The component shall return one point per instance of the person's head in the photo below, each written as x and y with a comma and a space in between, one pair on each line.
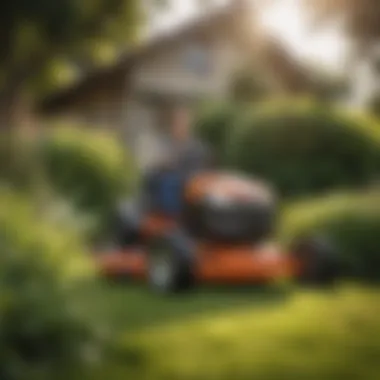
180, 128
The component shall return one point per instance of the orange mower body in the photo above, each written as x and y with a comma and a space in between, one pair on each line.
214, 265
220, 238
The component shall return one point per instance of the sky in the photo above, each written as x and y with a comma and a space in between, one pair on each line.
285, 20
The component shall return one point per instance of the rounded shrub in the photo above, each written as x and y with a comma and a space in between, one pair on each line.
306, 148
351, 221
214, 124
90, 168
17, 164
43, 331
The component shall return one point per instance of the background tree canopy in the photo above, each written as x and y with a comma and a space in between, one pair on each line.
36, 35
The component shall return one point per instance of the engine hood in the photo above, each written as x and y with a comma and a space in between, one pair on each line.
227, 187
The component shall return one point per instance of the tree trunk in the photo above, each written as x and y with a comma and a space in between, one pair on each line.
20, 167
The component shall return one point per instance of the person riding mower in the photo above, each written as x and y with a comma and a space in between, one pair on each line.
210, 227
195, 224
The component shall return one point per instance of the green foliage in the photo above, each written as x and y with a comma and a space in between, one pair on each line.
352, 221
43, 333
252, 85
84, 172
374, 106
37, 35
89, 168
68, 23
15, 159
214, 124
305, 148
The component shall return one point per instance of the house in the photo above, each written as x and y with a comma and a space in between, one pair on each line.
195, 62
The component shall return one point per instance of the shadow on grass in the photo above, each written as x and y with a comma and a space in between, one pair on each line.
243, 333
131, 306
319, 335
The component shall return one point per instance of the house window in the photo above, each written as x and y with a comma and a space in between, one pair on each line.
197, 59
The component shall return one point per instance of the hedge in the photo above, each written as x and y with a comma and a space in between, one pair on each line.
16, 159
304, 148
90, 168
42, 266
351, 221
214, 123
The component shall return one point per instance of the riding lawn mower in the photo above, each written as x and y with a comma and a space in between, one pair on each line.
220, 236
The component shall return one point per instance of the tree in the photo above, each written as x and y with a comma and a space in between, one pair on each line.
249, 86
37, 34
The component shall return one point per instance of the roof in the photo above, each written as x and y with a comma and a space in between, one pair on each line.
200, 25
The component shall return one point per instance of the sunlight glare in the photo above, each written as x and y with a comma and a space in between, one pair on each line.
286, 21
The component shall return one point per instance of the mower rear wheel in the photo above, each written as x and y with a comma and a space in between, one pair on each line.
319, 260
171, 264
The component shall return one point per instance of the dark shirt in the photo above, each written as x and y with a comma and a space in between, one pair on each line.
187, 156
164, 191
163, 185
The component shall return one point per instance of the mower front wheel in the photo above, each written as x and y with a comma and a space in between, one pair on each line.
171, 264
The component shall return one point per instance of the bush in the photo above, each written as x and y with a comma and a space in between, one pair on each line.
214, 123
352, 221
88, 167
16, 159
251, 86
305, 148
42, 266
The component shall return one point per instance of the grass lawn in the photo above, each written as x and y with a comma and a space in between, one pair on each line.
134, 307
221, 335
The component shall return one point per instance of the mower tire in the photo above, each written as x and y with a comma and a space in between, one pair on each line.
171, 263
319, 259
125, 225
